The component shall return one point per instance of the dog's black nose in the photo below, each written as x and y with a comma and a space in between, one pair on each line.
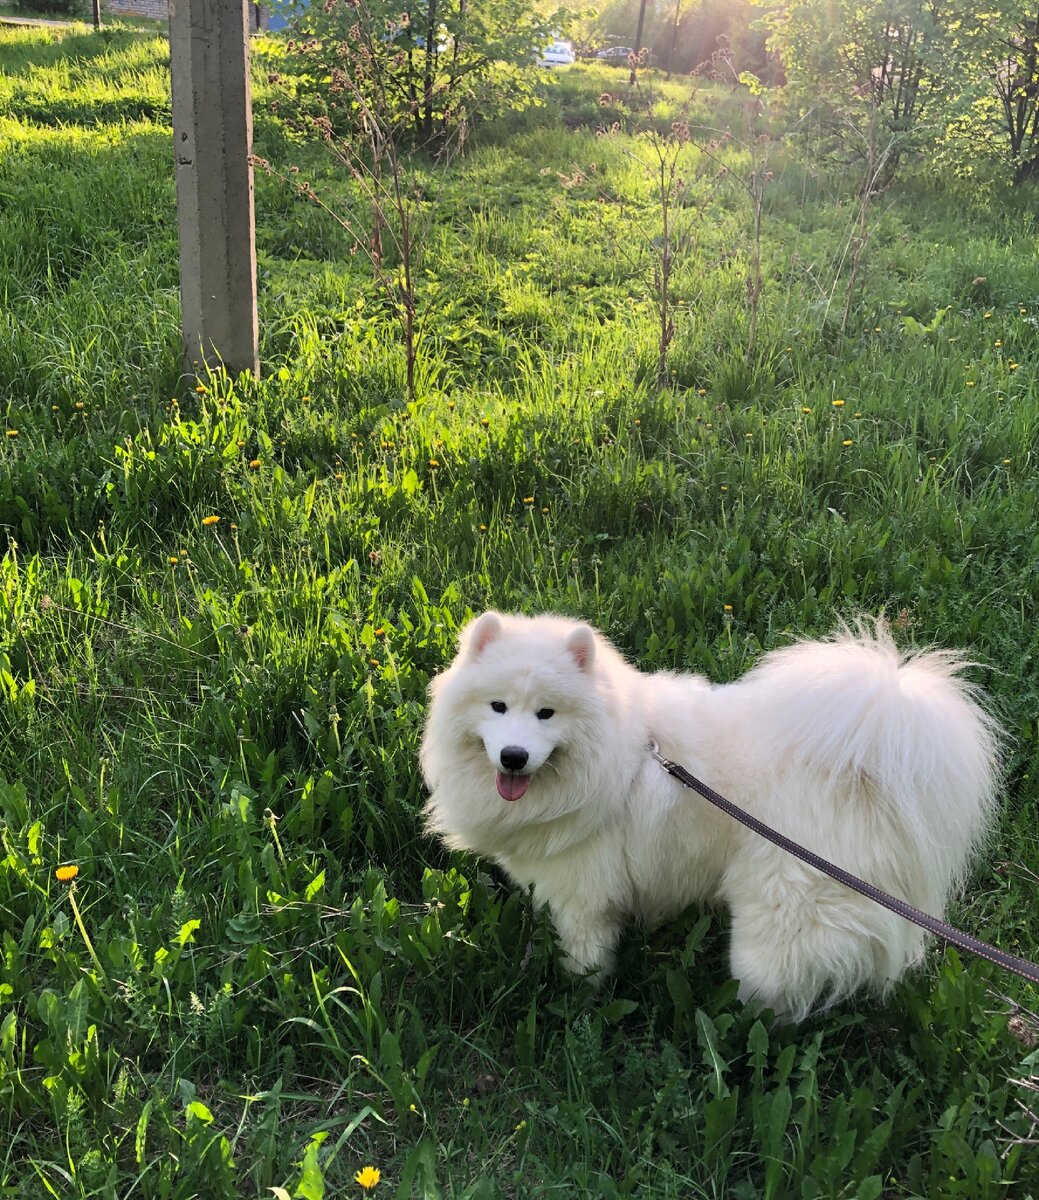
514, 758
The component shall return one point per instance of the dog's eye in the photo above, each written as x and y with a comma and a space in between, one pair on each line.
499, 706
543, 714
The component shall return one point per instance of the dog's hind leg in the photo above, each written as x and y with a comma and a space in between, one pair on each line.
800, 942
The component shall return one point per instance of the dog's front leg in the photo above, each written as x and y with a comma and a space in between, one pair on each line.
587, 889
587, 911
589, 945
588, 940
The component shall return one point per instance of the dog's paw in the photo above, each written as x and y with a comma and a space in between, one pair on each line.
592, 975
589, 953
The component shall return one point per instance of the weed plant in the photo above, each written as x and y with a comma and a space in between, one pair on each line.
220, 606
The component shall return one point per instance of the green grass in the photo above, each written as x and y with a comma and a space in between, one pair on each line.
285, 979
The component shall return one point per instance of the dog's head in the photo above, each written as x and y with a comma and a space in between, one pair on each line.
521, 701
525, 694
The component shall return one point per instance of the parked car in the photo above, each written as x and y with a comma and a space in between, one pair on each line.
557, 54
616, 56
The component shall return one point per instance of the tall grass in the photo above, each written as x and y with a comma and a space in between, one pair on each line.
218, 722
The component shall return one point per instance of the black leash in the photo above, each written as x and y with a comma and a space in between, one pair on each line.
963, 941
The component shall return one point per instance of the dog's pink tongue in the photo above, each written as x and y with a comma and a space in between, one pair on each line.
511, 787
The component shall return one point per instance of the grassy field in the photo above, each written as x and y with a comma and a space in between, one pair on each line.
265, 976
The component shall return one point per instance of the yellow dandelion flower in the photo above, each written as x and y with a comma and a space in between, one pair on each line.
1006, 462
234, 528
210, 520
66, 874
805, 408
997, 344
485, 421
701, 391
1021, 309
726, 608
483, 528
986, 316
80, 404
380, 631
254, 464
748, 436
174, 560
837, 403
433, 462
846, 442
201, 389
970, 383
368, 1177
545, 509
725, 487
1011, 366
876, 329
451, 405
528, 499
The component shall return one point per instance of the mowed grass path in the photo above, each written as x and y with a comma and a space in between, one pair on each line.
269, 976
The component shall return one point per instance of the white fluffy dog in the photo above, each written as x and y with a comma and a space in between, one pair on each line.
536, 754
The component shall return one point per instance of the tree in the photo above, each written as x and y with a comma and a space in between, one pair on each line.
1016, 80
391, 88
995, 112
439, 63
875, 72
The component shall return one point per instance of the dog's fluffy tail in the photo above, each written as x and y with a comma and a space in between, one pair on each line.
907, 727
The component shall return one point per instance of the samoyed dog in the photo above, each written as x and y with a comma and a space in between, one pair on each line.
536, 753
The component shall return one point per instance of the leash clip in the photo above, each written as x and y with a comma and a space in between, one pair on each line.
654, 749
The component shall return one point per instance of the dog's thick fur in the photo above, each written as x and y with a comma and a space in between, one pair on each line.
536, 755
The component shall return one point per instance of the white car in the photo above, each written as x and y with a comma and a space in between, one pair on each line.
557, 54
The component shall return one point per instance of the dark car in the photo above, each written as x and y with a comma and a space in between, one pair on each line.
616, 55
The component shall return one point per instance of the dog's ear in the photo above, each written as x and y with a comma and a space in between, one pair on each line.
479, 634
581, 647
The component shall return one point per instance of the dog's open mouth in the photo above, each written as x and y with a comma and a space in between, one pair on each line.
511, 787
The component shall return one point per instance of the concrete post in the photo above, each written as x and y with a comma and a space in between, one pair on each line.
212, 138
